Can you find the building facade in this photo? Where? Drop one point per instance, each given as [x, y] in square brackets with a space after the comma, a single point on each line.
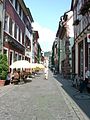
[65, 43]
[16, 30]
[81, 24]
[37, 51]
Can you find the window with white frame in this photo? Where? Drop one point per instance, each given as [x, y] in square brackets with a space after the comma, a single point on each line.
[20, 10]
[21, 36]
[11, 57]
[18, 7]
[6, 24]
[21, 14]
[10, 26]
[14, 3]
[13, 25]
[17, 33]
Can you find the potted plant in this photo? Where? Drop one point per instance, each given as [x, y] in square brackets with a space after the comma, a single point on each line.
[3, 68]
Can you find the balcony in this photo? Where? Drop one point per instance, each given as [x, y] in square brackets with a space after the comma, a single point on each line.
[13, 43]
[85, 7]
[76, 22]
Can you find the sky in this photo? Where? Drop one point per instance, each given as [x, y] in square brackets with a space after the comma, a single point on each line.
[46, 15]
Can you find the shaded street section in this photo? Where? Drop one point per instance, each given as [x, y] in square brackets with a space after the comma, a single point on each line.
[39, 99]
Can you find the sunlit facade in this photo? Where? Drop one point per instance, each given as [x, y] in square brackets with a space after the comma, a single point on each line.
[16, 30]
[81, 35]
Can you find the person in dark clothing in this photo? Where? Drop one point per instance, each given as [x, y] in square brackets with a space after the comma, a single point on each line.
[8, 79]
[85, 82]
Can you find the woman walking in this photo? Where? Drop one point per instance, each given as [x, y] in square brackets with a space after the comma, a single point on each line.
[46, 72]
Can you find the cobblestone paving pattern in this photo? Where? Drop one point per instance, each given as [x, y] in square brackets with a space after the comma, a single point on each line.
[37, 100]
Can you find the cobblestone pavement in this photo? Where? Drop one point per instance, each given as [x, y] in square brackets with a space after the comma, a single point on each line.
[78, 100]
[38, 100]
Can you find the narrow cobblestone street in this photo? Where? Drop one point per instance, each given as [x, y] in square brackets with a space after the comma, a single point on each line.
[39, 99]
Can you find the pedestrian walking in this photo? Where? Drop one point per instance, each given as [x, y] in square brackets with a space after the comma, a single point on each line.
[46, 72]
[84, 82]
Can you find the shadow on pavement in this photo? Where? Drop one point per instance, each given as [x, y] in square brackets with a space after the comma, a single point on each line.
[81, 99]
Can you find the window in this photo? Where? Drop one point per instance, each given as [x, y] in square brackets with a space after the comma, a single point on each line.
[24, 17]
[13, 24]
[15, 57]
[11, 57]
[6, 24]
[21, 14]
[13, 2]
[5, 52]
[10, 26]
[23, 38]
[15, 31]
[16, 5]
[20, 10]
[19, 57]
[20, 36]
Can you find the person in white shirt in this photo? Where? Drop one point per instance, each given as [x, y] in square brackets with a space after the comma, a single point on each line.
[46, 72]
